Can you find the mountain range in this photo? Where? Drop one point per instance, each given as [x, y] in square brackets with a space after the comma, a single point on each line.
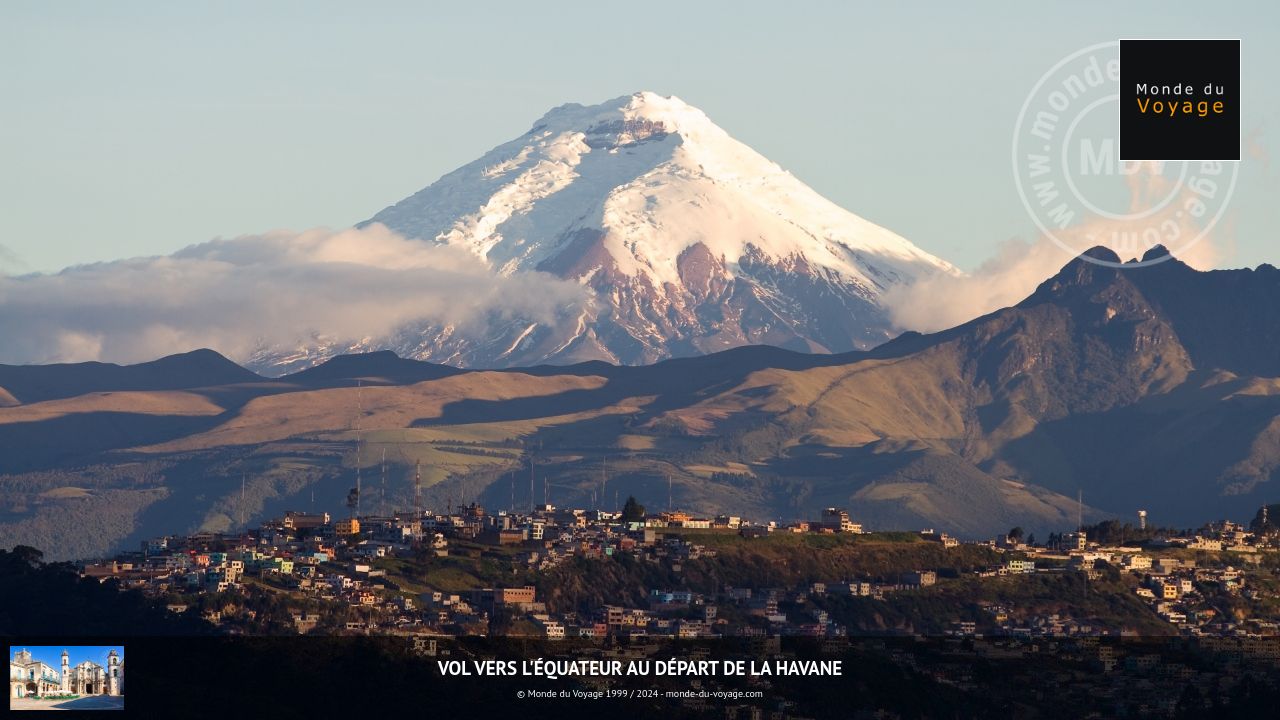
[1153, 388]
[687, 242]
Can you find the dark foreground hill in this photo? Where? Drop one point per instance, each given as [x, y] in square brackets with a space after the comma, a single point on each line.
[39, 599]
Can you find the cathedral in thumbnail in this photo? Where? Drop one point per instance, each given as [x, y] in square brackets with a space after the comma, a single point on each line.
[29, 677]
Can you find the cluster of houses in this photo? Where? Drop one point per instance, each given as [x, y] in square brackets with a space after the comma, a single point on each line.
[1176, 588]
[337, 560]
[340, 561]
[1179, 591]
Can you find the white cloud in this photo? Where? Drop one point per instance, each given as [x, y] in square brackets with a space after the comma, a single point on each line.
[944, 301]
[277, 289]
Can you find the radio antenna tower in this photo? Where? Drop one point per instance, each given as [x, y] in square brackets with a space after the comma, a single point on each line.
[359, 412]
[417, 489]
[1079, 510]
[382, 500]
[242, 474]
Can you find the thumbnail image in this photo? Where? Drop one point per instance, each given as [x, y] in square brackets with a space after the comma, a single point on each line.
[66, 678]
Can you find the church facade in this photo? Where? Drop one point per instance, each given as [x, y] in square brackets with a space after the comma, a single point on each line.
[90, 678]
[29, 677]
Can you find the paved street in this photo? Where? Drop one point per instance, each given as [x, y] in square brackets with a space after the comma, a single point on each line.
[92, 702]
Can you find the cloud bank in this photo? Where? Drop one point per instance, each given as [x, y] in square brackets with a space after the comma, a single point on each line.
[944, 301]
[280, 289]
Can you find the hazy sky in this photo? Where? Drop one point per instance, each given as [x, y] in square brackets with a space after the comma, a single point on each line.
[137, 128]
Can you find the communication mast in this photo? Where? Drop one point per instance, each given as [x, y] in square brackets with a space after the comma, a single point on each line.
[359, 412]
[417, 489]
[1079, 510]
[357, 508]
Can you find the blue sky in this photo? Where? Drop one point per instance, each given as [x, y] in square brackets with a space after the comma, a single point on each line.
[137, 128]
[52, 655]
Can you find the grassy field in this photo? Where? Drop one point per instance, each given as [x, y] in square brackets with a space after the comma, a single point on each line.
[779, 561]
[1110, 603]
[467, 567]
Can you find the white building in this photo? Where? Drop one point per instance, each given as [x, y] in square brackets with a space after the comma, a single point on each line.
[1018, 567]
[29, 677]
[1136, 562]
[90, 678]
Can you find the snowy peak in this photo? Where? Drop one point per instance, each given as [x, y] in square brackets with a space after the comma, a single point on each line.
[686, 240]
[657, 176]
[629, 119]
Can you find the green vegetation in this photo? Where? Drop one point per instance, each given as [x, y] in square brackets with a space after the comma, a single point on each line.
[38, 598]
[777, 561]
[1113, 532]
[468, 566]
[632, 511]
[1266, 519]
[79, 527]
[1109, 602]
[718, 538]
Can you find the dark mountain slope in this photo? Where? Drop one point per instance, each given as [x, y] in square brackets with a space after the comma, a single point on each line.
[195, 369]
[382, 367]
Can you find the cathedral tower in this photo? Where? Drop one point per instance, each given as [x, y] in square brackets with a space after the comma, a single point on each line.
[113, 673]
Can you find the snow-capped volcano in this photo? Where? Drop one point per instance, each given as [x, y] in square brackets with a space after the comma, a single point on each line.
[687, 240]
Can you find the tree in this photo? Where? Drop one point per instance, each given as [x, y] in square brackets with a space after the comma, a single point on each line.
[632, 511]
[1031, 539]
[1015, 534]
[28, 555]
[1266, 520]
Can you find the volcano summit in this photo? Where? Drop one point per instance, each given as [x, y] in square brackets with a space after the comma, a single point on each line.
[686, 242]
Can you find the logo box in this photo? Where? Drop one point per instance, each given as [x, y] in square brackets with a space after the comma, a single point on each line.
[1179, 99]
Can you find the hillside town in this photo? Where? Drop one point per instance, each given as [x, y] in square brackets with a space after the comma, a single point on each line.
[371, 575]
